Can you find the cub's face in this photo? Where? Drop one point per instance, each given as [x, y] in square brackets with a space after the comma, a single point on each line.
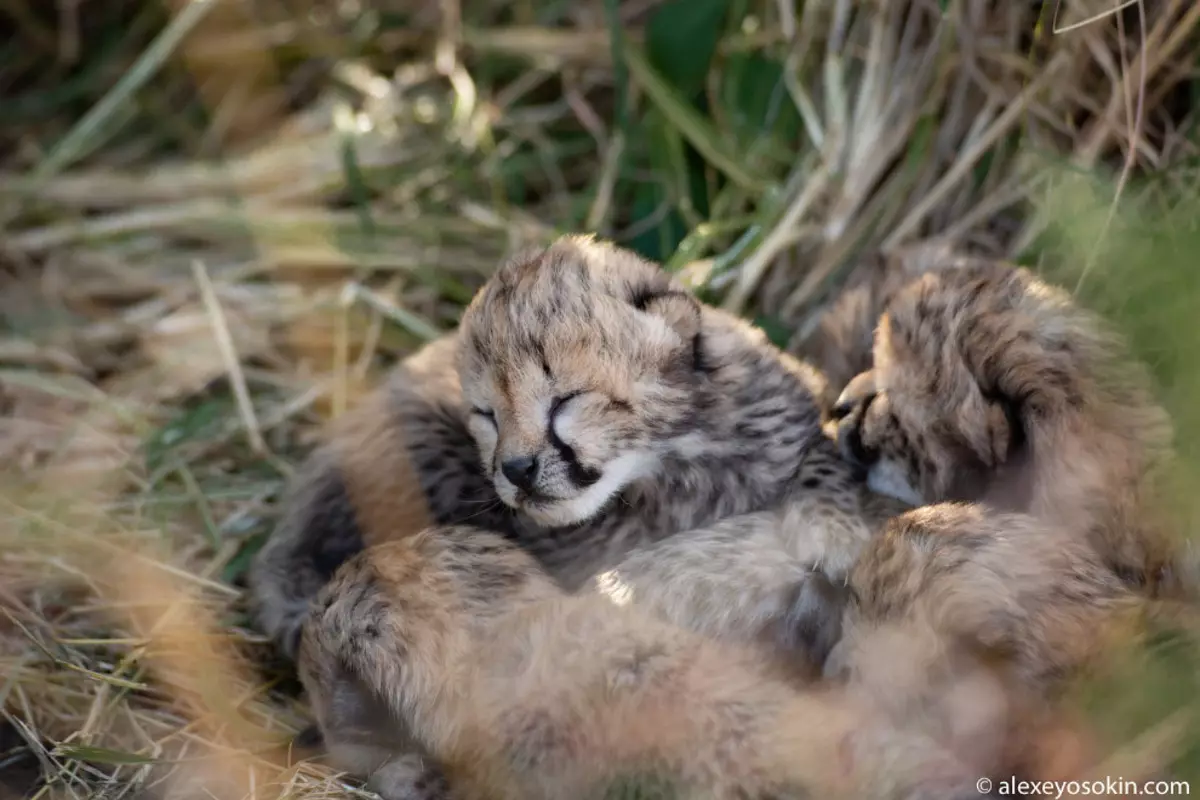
[576, 364]
[928, 423]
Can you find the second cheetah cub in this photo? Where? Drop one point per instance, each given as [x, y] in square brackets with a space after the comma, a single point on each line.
[991, 386]
[458, 643]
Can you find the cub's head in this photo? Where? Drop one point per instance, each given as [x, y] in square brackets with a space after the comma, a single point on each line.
[578, 364]
[971, 366]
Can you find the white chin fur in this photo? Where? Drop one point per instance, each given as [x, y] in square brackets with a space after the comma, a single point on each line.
[618, 473]
[885, 478]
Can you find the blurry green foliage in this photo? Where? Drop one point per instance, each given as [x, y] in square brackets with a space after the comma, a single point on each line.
[1134, 260]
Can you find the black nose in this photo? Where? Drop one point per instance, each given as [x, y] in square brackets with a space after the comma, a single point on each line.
[521, 471]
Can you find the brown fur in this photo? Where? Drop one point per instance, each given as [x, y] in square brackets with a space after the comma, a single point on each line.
[988, 385]
[933, 694]
[520, 691]
[388, 468]
[772, 578]
[1010, 588]
[840, 345]
[973, 625]
[599, 367]
[648, 414]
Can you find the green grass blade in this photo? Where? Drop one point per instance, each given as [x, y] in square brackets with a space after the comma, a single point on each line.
[694, 127]
[88, 131]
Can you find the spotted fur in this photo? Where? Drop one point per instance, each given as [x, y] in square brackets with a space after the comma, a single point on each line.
[990, 386]
[636, 411]
[841, 342]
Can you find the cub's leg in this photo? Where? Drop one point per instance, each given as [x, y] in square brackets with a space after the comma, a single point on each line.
[399, 461]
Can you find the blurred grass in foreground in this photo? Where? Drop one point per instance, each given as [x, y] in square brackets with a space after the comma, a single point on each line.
[1133, 258]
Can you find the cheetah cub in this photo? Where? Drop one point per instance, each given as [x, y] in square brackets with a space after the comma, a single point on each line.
[456, 641]
[990, 386]
[1037, 442]
[588, 404]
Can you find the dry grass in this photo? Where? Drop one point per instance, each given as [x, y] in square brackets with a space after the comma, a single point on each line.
[222, 219]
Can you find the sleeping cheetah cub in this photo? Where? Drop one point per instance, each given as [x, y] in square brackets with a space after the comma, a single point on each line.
[587, 404]
[989, 385]
[455, 641]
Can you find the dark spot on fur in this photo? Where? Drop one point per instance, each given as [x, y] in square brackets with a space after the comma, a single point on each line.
[923, 310]
[333, 527]
[642, 296]
[540, 351]
[480, 346]
[536, 739]
[1128, 575]
[432, 785]
[582, 276]
[503, 384]
[504, 290]
[699, 362]
[622, 405]
[811, 483]
[974, 291]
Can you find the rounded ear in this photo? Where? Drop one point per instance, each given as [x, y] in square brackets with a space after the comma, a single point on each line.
[680, 311]
[676, 307]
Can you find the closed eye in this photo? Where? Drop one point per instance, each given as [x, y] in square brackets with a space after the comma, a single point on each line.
[559, 402]
[486, 413]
